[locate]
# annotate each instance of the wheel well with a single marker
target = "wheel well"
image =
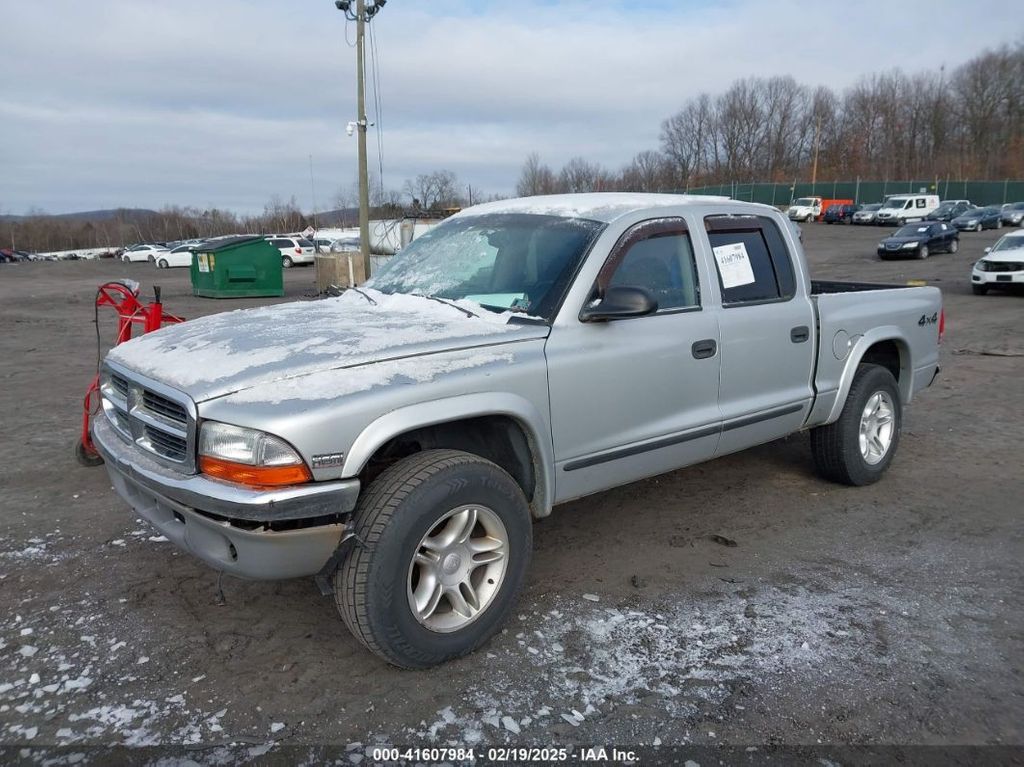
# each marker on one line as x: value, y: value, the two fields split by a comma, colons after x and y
x: 499, y: 439
x: 888, y: 354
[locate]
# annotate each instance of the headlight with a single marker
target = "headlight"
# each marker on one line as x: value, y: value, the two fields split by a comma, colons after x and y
x: 972, y: 222
x: 910, y: 244
x: 981, y: 266
x: 248, y: 456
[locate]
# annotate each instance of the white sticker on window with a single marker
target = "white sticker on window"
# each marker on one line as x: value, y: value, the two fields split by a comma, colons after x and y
x: 734, y: 265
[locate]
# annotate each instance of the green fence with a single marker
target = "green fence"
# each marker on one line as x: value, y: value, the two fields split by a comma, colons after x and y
x: 978, y: 192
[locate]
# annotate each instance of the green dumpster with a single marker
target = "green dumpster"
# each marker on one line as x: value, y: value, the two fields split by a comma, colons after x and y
x: 236, y: 267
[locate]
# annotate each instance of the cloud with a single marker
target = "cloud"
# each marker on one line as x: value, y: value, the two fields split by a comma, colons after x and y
x: 138, y: 103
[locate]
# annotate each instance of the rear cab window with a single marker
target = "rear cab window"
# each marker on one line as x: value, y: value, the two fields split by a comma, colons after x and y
x: 751, y: 259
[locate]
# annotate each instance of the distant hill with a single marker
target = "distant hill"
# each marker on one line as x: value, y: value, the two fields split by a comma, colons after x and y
x: 340, y: 217
x: 90, y: 215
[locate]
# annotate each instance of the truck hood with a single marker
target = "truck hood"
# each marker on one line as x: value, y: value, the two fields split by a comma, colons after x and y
x: 226, y: 353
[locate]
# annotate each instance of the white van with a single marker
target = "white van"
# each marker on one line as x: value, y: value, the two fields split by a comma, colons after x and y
x: 901, y: 209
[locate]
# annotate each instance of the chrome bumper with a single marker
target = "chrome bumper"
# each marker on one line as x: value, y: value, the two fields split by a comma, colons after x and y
x: 175, y: 505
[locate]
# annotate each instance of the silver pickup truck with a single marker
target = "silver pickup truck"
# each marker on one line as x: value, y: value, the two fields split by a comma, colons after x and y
x: 396, y: 441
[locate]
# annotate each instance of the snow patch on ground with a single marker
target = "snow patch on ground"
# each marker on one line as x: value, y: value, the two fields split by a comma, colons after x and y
x: 586, y: 659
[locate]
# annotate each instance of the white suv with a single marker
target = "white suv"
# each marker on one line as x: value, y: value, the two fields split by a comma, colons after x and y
x: 294, y: 250
x: 143, y: 253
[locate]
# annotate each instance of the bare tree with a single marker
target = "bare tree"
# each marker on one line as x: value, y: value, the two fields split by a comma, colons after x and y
x: 535, y: 178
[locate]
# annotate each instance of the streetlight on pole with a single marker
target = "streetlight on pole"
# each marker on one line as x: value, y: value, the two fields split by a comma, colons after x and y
x: 363, y: 13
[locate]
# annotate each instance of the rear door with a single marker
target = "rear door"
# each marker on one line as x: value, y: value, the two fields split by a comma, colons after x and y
x: 636, y: 397
x: 767, y: 327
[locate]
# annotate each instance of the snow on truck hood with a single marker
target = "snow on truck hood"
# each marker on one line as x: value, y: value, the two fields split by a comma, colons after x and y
x: 234, y: 351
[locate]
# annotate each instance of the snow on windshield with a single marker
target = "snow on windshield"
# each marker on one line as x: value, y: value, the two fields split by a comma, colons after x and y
x: 504, y: 260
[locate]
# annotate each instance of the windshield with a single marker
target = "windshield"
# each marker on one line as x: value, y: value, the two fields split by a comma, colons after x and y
x: 502, y: 261
x: 915, y: 230
x: 806, y: 202
x: 1009, y: 243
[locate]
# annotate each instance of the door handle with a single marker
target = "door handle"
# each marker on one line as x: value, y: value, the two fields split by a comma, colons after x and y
x: 799, y: 334
x: 704, y: 349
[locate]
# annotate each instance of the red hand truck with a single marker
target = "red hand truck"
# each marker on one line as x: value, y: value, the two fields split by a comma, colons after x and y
x: 123, y: 296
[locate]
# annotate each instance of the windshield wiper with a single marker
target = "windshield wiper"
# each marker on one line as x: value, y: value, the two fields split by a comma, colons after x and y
x: 452, y: 304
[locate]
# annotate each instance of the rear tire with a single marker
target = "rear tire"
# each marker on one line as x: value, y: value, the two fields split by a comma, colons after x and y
x: 398, y: 523
x: 979, y: 290
x: 838, y: 449
x: 286, y: 262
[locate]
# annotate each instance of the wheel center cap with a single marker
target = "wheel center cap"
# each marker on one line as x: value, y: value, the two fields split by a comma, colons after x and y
x: 451, y: 564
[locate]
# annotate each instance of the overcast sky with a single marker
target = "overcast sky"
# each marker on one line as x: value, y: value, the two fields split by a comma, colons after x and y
x: 132, y: 103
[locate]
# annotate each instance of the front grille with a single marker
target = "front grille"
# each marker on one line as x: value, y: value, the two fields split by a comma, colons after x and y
x: 157, y: 419
x: 120, y: 385
x: 164, y: 407
x: 167, y: 445
x: 1001, y: 266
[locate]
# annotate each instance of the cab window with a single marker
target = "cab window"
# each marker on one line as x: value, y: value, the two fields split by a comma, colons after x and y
x: 662, y: 264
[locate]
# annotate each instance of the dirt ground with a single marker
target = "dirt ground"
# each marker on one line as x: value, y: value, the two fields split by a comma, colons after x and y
x: 889, y: 614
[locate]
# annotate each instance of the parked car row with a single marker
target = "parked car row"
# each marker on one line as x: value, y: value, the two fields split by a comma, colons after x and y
x: 910, y: 208
x: 294, y: 250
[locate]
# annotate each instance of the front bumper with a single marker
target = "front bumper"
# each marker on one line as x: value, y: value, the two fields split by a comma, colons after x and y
x: 979, y: 277
x: 220, y: 523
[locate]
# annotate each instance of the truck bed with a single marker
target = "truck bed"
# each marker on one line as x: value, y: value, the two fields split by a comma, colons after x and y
x: 820, y: 287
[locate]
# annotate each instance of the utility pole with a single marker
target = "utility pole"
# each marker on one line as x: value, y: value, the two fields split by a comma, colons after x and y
x: 364, y: 180
x: 364, y: 13
x: 817, y: 146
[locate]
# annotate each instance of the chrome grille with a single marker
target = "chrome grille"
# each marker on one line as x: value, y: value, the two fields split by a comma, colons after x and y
x: 164, y: 407
x: 155, y: 417
x: 120, y: 385
x: 167, y: 445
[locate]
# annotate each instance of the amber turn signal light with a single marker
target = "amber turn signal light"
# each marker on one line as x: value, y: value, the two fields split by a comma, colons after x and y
x: 255, y: 476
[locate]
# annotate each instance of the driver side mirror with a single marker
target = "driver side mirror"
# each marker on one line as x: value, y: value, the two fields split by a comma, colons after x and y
x: 619, y: 303
x: 988, y: 250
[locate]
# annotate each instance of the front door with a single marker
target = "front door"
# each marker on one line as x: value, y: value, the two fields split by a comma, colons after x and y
x: 635, y: 397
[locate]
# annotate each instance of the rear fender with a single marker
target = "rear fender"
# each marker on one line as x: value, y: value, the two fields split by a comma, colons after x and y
x: 860, y: 347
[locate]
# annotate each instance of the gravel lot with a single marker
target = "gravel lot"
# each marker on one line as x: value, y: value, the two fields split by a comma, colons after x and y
x: 882, y: 615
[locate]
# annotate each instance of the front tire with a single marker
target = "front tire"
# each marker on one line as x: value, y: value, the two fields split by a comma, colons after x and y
x: 954, y: 246
x: 443, y: 542
x: 858, y: 448
x: 922, y: 252
x: 162, y: 264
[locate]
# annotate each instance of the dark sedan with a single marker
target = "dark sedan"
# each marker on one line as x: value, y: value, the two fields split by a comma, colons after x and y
x: 919, y: 240
x: 978, y: 219
x: 840, y: 214
x: 947, y: 211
